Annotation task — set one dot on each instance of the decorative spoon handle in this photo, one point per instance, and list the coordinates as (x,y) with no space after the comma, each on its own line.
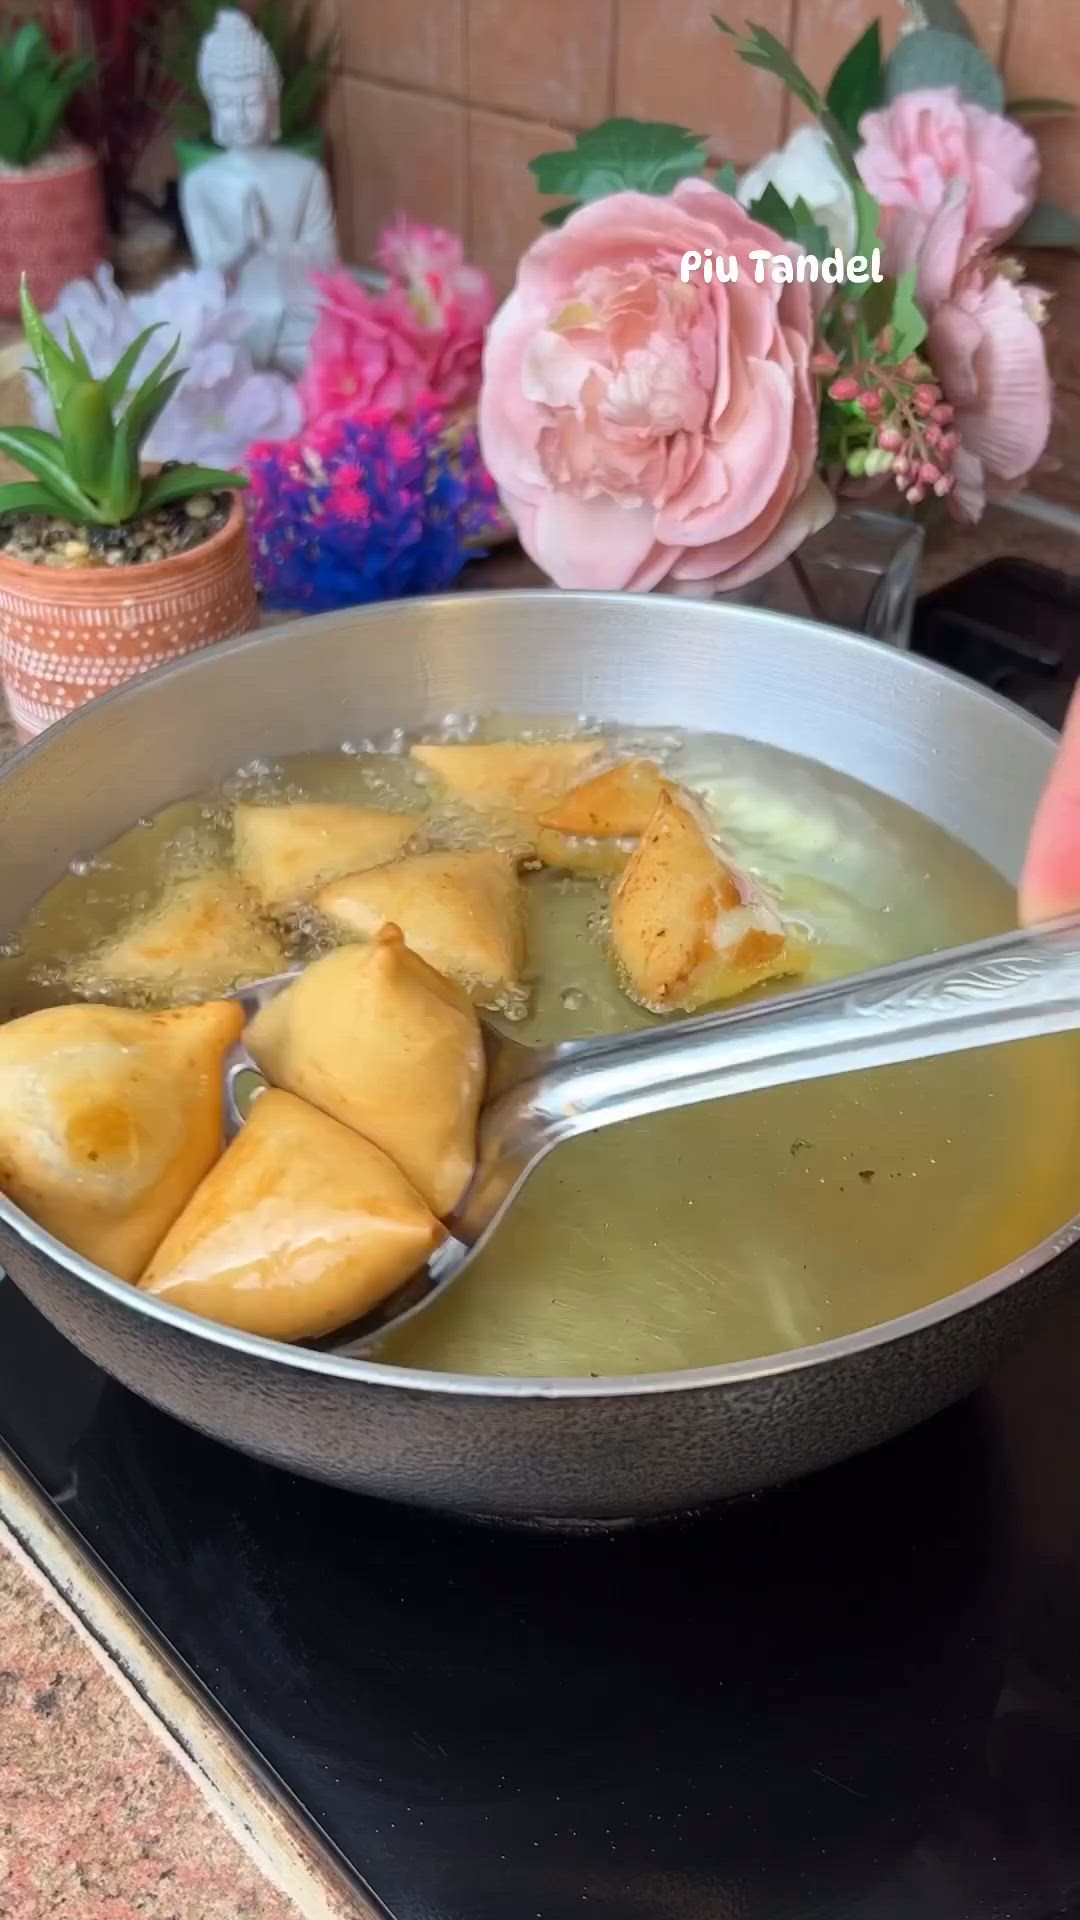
(1007,988)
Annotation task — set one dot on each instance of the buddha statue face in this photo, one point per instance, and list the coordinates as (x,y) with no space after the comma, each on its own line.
(240,81)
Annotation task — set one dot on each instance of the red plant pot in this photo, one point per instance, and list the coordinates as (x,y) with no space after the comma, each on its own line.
(52,224)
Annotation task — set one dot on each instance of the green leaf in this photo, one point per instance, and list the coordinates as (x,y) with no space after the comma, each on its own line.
(772,210)
(27,496)
(936,59)
(757,47)
(144,409)
(795,223)
(1047,226)
(876,307)
(908,322)
(179,483)
(16,129)
(28,46)
(867,220)
(809,234)
(1032,109)
(858,85)
(726,178)
(86,433)
(945,15)
(646,156)
(78,358)
(117,382)
(57,371)
(557,216)
(43,457)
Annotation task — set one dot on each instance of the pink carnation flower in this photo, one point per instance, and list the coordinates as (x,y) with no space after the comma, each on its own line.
(950,178)
(640,428)
(986,347)
(423,334)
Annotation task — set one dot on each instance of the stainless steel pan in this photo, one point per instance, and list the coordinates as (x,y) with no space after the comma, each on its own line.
(530,1449)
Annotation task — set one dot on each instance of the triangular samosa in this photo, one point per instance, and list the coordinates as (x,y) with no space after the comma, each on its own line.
(383,1043)
(514,780)
(300,1228)
(594,828)
(203,937)
(687,926)
(284,853)
(461,912)
(109,1118)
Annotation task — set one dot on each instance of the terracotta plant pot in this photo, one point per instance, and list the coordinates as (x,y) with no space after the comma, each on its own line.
(68,634)
(52,224)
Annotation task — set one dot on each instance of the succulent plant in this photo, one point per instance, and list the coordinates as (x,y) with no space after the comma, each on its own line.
(37,86)
(89,471)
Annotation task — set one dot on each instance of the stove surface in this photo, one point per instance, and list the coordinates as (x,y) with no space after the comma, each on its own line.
(853,1699)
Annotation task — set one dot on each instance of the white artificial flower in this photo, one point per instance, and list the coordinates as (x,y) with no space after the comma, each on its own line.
(805,169)
(223,402)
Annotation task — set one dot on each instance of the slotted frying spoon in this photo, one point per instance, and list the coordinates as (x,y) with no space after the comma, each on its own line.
(1011,987)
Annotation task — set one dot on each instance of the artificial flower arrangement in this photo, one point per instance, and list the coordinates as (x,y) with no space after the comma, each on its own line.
(383,491)
(646,425)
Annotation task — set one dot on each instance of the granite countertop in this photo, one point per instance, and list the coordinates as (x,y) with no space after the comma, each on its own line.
(119,1797)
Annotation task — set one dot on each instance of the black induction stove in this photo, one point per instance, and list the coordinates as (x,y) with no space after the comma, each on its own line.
(853,1699)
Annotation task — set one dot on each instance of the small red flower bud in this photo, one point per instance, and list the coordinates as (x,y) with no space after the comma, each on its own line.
(845,388)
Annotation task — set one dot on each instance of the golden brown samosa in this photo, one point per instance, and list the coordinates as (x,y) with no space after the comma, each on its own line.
(284,853)
(461,912)
(204,936)
(595,827)
(512,780)
(687,926)
(377,1039)
(109,1118)
(301,1227)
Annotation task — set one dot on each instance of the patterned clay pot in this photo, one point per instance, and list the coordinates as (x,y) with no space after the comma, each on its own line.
(52,224)
(68,634)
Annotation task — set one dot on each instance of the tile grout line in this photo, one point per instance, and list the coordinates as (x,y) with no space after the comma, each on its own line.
(466,82)
(614,37)
(215,1763)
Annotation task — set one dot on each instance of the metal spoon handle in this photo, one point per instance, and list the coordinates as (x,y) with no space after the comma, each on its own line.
(1007,988)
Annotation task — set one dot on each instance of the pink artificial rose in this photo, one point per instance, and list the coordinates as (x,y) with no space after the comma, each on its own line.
(949,177)
(640,428)
(986,347)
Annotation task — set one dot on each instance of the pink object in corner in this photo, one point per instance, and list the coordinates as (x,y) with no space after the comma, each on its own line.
(52,224)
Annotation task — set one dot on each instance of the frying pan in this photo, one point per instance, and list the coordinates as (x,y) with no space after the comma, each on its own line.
(561,1451)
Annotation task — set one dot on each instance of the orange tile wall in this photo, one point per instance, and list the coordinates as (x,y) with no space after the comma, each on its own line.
(440,103)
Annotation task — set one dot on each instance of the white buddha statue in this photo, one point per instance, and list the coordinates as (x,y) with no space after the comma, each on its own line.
(258,213)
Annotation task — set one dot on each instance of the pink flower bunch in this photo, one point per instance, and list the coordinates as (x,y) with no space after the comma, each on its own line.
(421,335)
(913,437)
(953,182)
